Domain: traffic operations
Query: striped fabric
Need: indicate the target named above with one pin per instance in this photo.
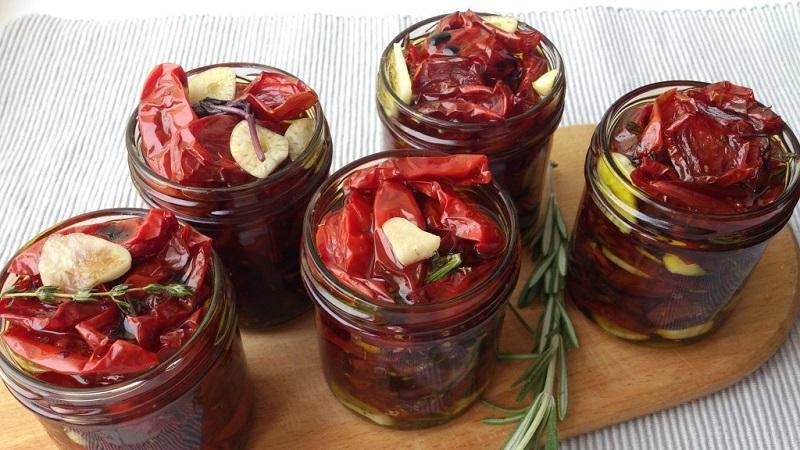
(67, 88)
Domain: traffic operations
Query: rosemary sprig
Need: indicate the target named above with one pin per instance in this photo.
(52, 296)
(441, 266)
(545, 380)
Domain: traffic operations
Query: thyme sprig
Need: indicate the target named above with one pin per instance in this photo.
(51, 295)
(545, 380)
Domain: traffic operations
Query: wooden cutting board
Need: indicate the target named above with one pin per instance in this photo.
(611, 381)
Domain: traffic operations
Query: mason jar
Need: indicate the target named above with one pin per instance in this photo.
(200, 397)
(518, 147)
(654, 272)
(256, 227)
(408, 366)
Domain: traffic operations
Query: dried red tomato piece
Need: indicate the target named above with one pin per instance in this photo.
(468, 71)
(464, 170)
(88, 339)
(276, 97)
(352, 244)
(167, 130)
(704, 149)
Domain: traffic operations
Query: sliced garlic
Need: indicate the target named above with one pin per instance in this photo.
(676, 265)
(218, 83)
(409, 243)
(618, 187)
(274, 146)
(544, 84)
(299, 134)
(686, 333)
(399, 78)
(623, 264)
(80, 261)
(506, 23)
(618, 331)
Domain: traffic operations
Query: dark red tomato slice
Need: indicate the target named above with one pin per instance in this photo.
(469, 71)
(276, 97)
(60, 353)
(464, 170)
(87, 340)
(152, 235)
(344, 237)
(439, 78)
(120, 358)
(465, 219)
(705, 149)
(405, 187)
(214, 134)
(100, 330)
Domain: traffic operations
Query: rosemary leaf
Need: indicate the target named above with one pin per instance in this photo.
(441, 266)
(517, 356)
(545, 381)
(562, 398)
(562, 226)
(503, 410)
(551, 438)
(522, 320)
(562, 261)
(502, 420)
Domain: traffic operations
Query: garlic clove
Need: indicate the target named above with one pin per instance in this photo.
(274, 146)
(409, 243)
(81, 261)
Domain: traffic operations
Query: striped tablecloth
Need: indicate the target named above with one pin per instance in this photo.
(68, 86)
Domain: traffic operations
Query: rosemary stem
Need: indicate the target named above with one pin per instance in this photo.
(522, 320)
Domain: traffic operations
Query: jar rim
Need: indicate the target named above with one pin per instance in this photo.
(604, 130)
(88, 392)
(136, 159)
(338, 178)
(556, 62)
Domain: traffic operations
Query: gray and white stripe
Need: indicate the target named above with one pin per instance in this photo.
(68, 86)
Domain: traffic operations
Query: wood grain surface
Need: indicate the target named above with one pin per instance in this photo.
(611, 381)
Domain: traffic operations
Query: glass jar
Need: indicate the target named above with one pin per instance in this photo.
(628, 269)
(407, 366)
(201, 397)
(256, 227)
(518, 147)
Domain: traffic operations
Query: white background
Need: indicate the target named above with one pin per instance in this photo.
(112, 9)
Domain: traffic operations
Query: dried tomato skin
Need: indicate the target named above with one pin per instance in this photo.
(352, 245)
(669, 262)
(469, 71)
(276, 96)
(711, 147)
(168, 144)
(195, 151)
(86, 342)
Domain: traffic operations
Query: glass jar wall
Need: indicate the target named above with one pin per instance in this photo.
(646, 271)
(200, 397)
(518, 147)
(256, 227)
(408, 366)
